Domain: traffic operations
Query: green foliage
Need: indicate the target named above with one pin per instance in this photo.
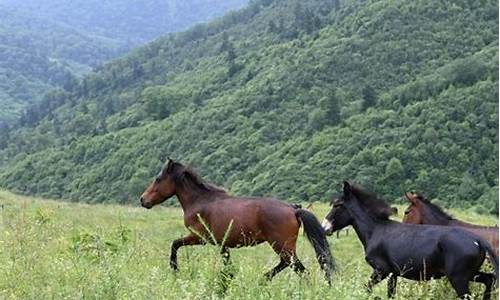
(333, 90)
(369, 97)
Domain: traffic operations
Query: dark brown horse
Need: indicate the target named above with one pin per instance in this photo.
(422, 211)
(214, 216)
(416, 252)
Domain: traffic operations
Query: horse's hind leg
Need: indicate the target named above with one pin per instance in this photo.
(461, 286)
(286, 252)
(226, 257)
(297, 266)
(487, 280)
(284, 262)
(227, 272)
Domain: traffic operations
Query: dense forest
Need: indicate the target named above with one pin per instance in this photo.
(282, 98)
(49, 44)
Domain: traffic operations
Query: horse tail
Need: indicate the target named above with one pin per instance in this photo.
(317, 238)
(492, 254)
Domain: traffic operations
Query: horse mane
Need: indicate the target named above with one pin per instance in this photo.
(436, 210)
(187, 176)
(375, 207)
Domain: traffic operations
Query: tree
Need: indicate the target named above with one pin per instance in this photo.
(156, 103)
(227, 47)
(369, 97)
(317, 119)
(272, 27)
(4, 134)
(330, 104)
(226, 44)
(394, 169)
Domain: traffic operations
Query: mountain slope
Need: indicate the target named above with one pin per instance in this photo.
(37, 55)
(48, 44)
(131, 22)
(285, 98)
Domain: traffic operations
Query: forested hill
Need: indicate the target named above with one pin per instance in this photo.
(283, 98)
(47, 44)
(131, 22)
(37, 55)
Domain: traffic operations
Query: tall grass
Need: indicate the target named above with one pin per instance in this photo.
(55, 250)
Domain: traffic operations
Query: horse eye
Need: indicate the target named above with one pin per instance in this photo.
(157, 179)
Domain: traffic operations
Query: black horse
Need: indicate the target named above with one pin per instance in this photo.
(417, 252)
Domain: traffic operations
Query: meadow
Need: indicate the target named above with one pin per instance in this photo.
(61, 250)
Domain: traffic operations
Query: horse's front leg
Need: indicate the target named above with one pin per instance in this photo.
(391, 285)
(376, 277)
(185, 241)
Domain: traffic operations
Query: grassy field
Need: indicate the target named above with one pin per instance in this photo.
(57, 250)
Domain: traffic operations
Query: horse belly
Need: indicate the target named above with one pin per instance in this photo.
(421, 263)
(422, 268)
(243, 238)
(422, 271)
(236, 233)
(423, 276)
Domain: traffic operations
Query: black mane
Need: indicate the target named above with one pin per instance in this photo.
(375, 207)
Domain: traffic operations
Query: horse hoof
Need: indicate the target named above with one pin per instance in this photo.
(174, 267)
(267, 277)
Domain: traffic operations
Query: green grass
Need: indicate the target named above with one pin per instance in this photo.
(58, 250)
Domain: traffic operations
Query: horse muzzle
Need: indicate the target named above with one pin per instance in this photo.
(327, 227)
(144, 204)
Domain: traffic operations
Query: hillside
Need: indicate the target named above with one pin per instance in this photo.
(284, 98)
(131, 22)
(37, 55)
(49, 44)
(73, 251)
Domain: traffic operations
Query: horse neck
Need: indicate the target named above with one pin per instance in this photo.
(363, 223)
(190, 198)
(436, 218)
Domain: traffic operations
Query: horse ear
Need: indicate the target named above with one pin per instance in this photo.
(170, 165)
(347, 188)
(410, 196)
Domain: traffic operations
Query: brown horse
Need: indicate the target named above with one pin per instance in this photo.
(422, 211)
(214, 216)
